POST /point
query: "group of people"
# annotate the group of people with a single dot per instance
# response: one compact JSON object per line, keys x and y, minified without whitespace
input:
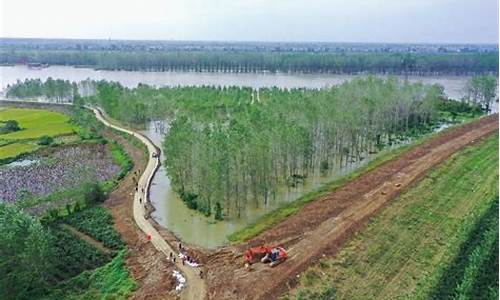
{"x":186,"y":259}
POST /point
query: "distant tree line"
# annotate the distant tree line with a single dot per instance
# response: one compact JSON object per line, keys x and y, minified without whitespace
{"x":254,"y":61}
{"x":55,"y":89}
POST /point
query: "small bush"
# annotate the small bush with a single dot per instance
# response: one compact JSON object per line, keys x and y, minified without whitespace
{"x":93,"y":193}
{"x":9,"y":126}
{"x":45,"y":140}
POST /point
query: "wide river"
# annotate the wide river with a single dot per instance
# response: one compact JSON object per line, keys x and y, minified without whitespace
{"x":170,"y":211}
{"x":8,"y":75}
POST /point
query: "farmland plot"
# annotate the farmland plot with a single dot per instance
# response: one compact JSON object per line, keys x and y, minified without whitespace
{"x":32,"y":125}
{"x":61,"y":169}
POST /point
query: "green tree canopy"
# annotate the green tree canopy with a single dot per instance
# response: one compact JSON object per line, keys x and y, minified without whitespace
{"x":24,"y":254}
{"x":482,"y":90}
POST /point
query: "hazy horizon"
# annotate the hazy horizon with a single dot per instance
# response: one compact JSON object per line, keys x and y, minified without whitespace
{"x":244,"y":41}
{"x":295,"y":21}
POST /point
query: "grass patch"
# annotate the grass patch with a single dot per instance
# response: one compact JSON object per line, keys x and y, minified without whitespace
{"x":472,"y":274}
{"x":121,"y":158}
{"x":406,"y":250}
{"x":73,"y":255}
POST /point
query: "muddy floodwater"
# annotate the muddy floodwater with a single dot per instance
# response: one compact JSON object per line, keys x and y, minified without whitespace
{"x":193,"y":227}
{"x":453,"y":85}
{"x":170,"y":211}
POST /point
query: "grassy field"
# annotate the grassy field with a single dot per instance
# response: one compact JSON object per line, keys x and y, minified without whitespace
{"x":34,"y":124}
{"x":410,"y":249}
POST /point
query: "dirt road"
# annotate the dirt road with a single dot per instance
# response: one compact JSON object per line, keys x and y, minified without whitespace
{"x":323,"y":226}
{"x":195,"y":288}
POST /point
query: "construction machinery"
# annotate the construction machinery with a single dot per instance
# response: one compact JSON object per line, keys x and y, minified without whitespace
{"x":266,"y":254}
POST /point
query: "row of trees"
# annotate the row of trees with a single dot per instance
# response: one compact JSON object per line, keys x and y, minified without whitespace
{"x":482,"y":91}
{"x":55,"y":89}
{"x":248,"y":61}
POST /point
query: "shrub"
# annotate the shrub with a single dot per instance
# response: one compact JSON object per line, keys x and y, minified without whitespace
{"x":93,"y":193}
{"x":10,"y":126}
{"x":45,"y":140}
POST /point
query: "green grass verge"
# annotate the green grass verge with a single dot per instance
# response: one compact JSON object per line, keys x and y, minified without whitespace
{"x":471,"y":275}
{"x":406,"y":250}
{"x":269,"y":220}
{"x":122,"y":158}
{"x":111,"y":281}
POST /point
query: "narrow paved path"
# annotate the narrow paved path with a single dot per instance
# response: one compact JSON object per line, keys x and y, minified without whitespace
{"x":195,"y":288}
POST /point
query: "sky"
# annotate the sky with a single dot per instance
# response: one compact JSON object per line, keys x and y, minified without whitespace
{"x":391,"y":21}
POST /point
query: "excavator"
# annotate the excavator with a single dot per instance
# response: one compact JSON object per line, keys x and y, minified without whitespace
{"x":266,"y":254}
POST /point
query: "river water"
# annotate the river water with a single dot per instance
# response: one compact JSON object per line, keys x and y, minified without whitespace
{"x":10,"y":74}
{"x":170,"y":211}
{"x":193,"y":227}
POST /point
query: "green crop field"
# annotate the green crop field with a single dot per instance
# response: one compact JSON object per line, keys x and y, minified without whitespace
{"x":34,"y":124}
{"x":14,"y":149}
{"x":425,"y":244}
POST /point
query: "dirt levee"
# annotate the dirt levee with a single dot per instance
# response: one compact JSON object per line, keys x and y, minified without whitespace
{"x":323,"y":226}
